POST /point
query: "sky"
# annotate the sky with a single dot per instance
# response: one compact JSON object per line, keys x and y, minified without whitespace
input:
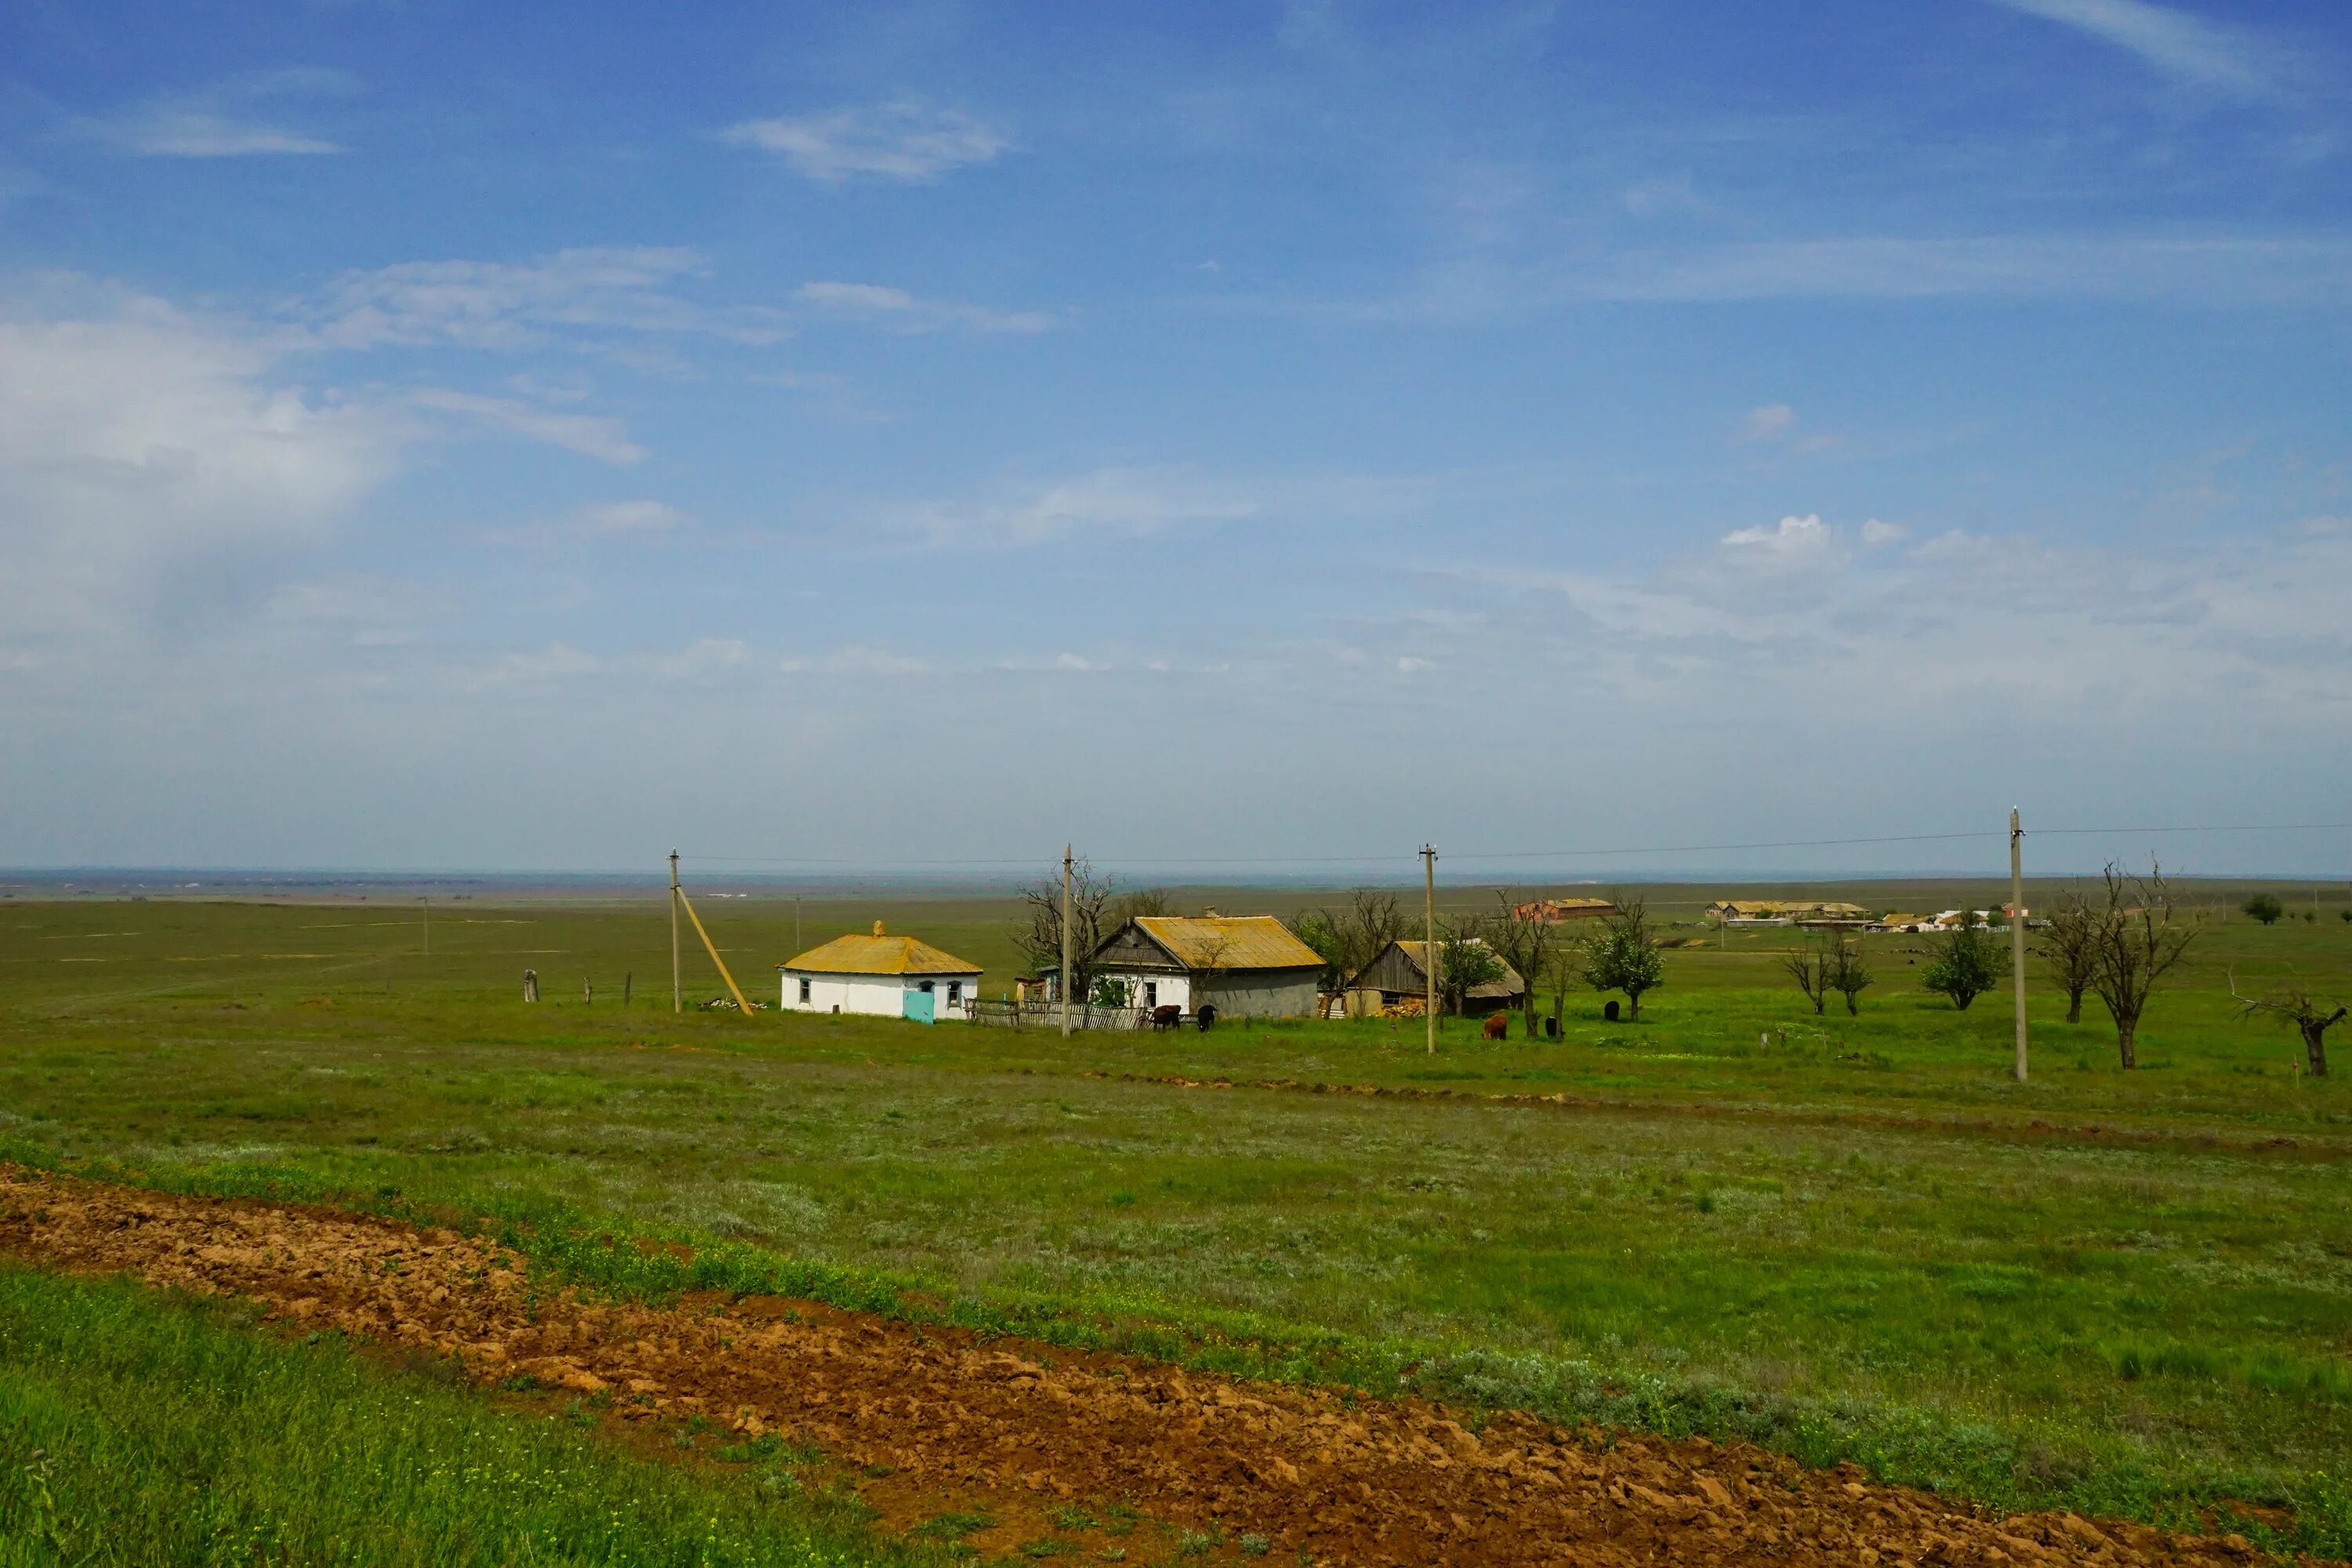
{"x":441,"y":436}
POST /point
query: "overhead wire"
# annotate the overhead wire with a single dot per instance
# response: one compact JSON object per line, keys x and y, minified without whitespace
{"x":1158,"y":861}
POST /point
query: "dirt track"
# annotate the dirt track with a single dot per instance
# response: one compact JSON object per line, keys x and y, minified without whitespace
{"x":1018,"y":1428}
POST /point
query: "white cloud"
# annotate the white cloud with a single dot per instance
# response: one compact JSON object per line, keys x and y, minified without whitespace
{"x":631,"y":517}
{"x":136,"y":441}
{"x":1875,"y":533}
{"x":2182,"y":46}
{"x":1110,"y":502}
{"x":590,"y":434}
{"x":515,"y":305}
{"x":1770,"y":422}
{"x":897,"y":309}
{"x":226,"y":121}
{"x":1807,"y":535}
{"x":904,"y":139}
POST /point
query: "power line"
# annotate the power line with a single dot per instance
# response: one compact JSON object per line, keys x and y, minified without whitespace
{"x":1518,"y":854}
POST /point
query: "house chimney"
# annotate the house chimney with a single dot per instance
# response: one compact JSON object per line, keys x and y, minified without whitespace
{"x":878,"y":928}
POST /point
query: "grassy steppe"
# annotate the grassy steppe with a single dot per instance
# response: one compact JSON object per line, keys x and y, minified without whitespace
{"x":141,"y":1430}
{"x":1849,"y":1241}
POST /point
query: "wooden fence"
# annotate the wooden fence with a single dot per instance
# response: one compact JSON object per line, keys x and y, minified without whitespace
{"x":1004,"y":1015}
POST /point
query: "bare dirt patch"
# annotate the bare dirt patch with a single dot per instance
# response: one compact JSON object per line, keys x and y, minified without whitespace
{"x":1111,"y":1452}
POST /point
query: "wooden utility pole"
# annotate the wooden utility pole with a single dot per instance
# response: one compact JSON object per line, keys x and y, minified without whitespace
{"x":1429,"y":940}
{"x":1065,"y":941}
{"x":677,"y":982}
{"x":2016,"y":930}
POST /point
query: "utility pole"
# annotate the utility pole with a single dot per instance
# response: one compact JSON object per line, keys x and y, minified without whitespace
{"x":676,"y":984}
{"x":796,"y":922}
{"x":1065,"y":941}
{"x":2017,"y":929}
{"x":1429,"y":940}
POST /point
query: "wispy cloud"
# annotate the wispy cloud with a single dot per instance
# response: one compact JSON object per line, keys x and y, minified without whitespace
{"x":591,"y":435}
{"x":2223,"y":272}
{"x":514,"y":305}
{"x":905,"y":140}
{"x":1772,"y":422}
{"x":2178,"y":43}
{"x":902,"y":311}
{"x":230,"y":120}
{"x":1110,"y":503}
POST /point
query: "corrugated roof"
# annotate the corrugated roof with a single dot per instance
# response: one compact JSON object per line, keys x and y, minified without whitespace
{"x":858,"y":954}
{"x":1230,"y":941}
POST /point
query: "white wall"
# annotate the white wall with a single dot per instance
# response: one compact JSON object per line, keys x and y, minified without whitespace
{"x":878,"y":995}
{"x":1175,"y":990}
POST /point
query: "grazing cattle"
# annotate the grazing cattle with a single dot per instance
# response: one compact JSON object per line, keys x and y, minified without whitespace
{"x":1167,"y":1016}
{"x":1205,"y":1017}
{"x":1498,"y":1026}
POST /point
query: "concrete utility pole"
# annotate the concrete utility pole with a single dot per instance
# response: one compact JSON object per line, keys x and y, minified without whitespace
{"x":677,"y":981}
{"x":2017,"y":929}
{"x":1429,"y":940}
{"x":1065,"y":941}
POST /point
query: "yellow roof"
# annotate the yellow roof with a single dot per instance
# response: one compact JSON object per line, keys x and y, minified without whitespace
{"x":1230,"y":941}
{"x":857,"y":954}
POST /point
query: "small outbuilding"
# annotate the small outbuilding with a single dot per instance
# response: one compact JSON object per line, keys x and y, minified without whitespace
{"x":1400,"y":972}
{"x":881,"y":976}
{"x":1245,"y":967}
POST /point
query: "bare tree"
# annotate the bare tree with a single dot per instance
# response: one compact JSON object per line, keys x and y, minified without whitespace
{"x":1526,"y":940}
{"x":1849,"y":972}
{"x":2138,"y":944}
{"x":2311,"y":1019}
{"x":1038,"y":935}
{"x":1808,"y":966}
{"x":1566,"y":968}
{"x":1145,"y":901}
{"x":2071,"y":949}
{"x":1347,"y":939}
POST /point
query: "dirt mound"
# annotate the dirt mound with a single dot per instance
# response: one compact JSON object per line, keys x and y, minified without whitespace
{"x":928,"y":1420}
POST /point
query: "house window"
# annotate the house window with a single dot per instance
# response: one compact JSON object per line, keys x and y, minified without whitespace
{"x":805,"y":992}
{"x":1151,"y":994}
{"x":955,"y":992}
{"x":927,"y":987}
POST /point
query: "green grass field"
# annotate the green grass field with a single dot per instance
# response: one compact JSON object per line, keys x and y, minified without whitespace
{"x":139,"y":1430}
{"x":2128,"y":1293}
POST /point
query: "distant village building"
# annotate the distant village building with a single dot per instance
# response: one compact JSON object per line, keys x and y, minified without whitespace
{"x":1785,"y":912}
{"x":1553,"y":910}
{"x":1400,"y":972}
{"x":1245,"y":967}
{"x":881,"y":976}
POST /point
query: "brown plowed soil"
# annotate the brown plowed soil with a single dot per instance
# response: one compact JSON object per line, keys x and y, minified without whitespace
{"x":1020,"y":1430}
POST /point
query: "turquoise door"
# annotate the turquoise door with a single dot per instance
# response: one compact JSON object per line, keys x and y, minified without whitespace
{"x":920,"y":1006}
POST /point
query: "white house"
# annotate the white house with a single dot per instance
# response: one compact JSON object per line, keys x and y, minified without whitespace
{"x":1247,"y":966}
{"x":884,"y":976}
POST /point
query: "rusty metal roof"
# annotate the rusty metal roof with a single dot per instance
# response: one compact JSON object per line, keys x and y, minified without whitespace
{"x":860,"y":955}
{"x":1229,"y":941}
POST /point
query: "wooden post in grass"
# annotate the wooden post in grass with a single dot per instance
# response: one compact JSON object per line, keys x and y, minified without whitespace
{"x":1065,"y":941}
{"x":676,"y":984}
{"x":2016,"y":930}
{"x":1429,"y":940}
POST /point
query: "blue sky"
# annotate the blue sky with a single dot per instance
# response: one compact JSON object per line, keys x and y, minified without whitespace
{"x":455,"y":436}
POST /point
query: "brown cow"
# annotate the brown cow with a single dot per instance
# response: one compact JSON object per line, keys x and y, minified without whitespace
{"x":1167,"y":1016}
{"x":1498,"y":1025}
